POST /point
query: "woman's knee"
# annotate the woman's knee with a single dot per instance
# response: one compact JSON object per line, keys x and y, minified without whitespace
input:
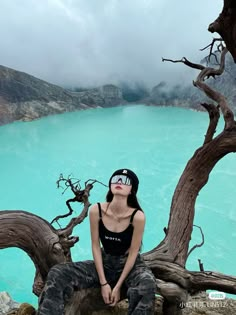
{"x":147,"y":285}
{"x":57,"y":273}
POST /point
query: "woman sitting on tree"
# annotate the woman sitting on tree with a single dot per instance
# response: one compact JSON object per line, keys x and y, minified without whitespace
{"x":118,"y":225}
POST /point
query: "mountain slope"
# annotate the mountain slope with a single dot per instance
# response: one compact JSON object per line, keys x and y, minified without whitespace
{"x":24,"y":97}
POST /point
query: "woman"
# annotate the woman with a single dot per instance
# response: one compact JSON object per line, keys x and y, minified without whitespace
{"x":117,"y":224}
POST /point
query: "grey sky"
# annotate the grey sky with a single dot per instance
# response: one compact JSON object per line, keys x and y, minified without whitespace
{"x":93,"y":42}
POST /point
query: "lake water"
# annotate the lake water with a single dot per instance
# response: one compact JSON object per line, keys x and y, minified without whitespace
{"x":156,"y":142}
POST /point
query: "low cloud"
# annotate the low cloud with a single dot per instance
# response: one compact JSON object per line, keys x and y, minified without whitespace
{"x":90,"y":42}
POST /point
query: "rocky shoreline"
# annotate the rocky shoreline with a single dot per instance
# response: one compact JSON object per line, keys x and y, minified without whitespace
{"x":24,"y":97}
{"x":200,"y":304}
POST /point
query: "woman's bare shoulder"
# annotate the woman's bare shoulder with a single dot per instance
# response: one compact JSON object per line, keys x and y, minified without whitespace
{"x":104,"y":205}
{"x":93,"y":211}
{"x":94,"y":207}
{"x":139,"y":216}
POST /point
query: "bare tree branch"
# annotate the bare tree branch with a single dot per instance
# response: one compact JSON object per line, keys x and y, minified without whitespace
{"x":207,"y":72}
{"x":75,"y":221}
{"x":201,"y":268}
{"x":192,"y":281}
{"x":212,"y":45}
{"x":215,"y":95}
{"x":214,"y":116}
{"x":80,"y":195}
{"x":197,"y":245}
{"x":186,"y":62}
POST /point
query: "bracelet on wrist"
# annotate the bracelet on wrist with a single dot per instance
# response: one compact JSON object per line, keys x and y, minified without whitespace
{"x":102,"y":285}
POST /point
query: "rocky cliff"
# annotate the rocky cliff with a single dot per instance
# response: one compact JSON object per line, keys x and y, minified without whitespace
{"x":24,"y":97}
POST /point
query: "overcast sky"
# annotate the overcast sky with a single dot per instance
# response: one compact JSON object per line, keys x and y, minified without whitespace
{"x":93,"y":42}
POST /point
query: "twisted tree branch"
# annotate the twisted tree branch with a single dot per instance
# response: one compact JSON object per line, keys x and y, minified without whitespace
{"x":81,"y":196}
{"x":192,"y":281}
{"x":186,"y":62}
{"x":197,"y":245}
{"x":212,"y":45}
{"x":207,"y":72}
{"x":214,"y":116}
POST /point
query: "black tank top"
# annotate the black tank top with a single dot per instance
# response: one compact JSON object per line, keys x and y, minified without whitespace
{"x":115,"y":243}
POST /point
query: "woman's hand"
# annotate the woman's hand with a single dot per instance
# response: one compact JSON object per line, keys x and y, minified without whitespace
{"x":115,"y":296}
{"x":106,"y":293}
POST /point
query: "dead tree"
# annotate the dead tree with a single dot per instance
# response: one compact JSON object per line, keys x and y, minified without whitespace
{"x":47,"y":246}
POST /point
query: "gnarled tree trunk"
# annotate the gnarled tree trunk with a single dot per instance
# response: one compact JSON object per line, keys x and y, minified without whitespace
{"x":225,"y":26}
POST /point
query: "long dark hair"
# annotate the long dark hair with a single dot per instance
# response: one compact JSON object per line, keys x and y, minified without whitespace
{"x":132,"y":200}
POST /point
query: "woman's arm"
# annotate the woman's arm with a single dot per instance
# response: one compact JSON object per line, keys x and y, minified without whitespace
{"x":138,"y":223}
{"x":97,"y":254}
{"x":96,"y":248}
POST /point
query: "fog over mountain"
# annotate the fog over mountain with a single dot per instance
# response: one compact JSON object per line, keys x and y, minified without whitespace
{"x":91,"y":43}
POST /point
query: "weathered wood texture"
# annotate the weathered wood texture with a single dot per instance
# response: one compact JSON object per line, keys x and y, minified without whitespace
{"x":225,"y":26}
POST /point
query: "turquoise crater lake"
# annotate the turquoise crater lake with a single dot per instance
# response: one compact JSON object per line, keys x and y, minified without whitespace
{"x":156,"y":142}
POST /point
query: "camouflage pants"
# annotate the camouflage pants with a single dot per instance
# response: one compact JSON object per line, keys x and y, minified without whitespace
{"x":64,"y":279}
